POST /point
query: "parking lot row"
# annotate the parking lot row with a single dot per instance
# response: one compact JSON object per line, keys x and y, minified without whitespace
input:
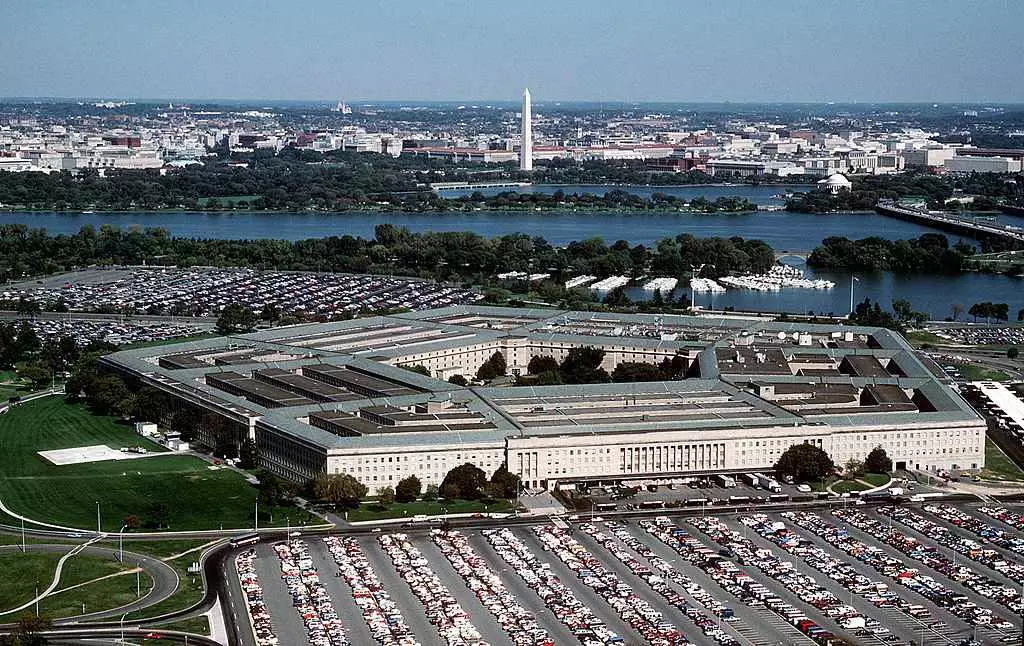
{"x":636,"y":611}
{"x":850,"y":578}
{"x":517,"y":622}
{"x":255,"y":606}
{"x":988,"y":533}
{"x":658,"y":574}
{"x":206,"y":291}
{"x":931,"y":557}
{"x":973,"y":550}
{"x":452,"y":622}
{"x":380,"y":612}
{"x":309,"y":595}
{"x":927,"y":587}
{"x":733,"y":579}
{"x":580,"y":619}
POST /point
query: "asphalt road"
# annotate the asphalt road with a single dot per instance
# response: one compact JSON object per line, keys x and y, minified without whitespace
{"x":165,"y":579}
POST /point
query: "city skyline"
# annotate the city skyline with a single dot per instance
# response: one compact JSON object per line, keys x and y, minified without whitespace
{"x":735,"y":52}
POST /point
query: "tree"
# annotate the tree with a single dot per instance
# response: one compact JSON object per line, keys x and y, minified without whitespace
{"x":464,"y":482}
{"x":540,"y":364}
{"x":636,"y":371}
{"x":853,"y":468}
{"x":878,"y":461}
{"x":583,"y":366}
{"x":431,"y":493}
{"x":408,"y":489}
{"x":458,"y":380}
{"x":804,"y":463}
{"x":957,"y":310}
{"x":386,"y":496}
{"x":418,"y":368}
{"x":494,"y":367}
{"x":1020,"y":314}
{"x":504,"y":483}
{"x":236,"y":318}
{"x":1012,"y":353}
{"x":248,"y":456}
{"x":339,"y":489}
{"x":272,"y":489}
{"x":38,"y":375}
{"x":158,"y":515}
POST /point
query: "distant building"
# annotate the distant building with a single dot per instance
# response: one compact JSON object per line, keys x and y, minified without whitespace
{"x":835,"y":183}
{"x":935,"y":157}
{"x":958,"y":164}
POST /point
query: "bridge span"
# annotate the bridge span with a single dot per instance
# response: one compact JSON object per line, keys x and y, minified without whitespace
{"x":951,"y":223}
{"x":802,"y":255}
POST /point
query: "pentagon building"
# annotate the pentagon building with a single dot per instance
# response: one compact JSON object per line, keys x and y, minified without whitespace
{"x":334,"y":397}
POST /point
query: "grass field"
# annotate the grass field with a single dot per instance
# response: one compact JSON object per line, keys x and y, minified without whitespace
{"x":876,"y":479}
{"x":199,"y":625}
{"x":67,"y":601}
{"x":22,"y":572}
{"x":371,"y":511}
{"x":846,"y":486}
{"x":998,"y":466}
{"x":195,"y":496}
{"x":972,"y":372}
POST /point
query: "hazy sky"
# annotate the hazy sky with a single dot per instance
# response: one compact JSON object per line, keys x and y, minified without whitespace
{"x":643,"y":50}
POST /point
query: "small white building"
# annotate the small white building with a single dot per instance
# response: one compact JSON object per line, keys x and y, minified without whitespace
{"x":146,"y":429}
{"x":835,"y":183}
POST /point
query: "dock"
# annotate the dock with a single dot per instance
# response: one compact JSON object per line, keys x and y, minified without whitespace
{"x":951,"y":223}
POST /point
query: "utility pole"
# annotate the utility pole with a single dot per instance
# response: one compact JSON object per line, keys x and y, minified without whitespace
{"x":99,"y":530}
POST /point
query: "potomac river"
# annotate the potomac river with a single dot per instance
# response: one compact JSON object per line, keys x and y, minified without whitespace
{"x":783,"y":231}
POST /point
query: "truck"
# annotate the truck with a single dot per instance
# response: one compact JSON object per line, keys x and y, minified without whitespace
{"x":895,"y":491}
{"x":768,"y":483}
{"x":725,"y":481}
{"x":750,"y":479}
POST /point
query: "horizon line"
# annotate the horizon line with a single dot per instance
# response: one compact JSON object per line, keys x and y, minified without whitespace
{"x":924,"y":102}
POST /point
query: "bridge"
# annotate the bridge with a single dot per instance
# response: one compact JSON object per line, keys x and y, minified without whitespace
{"x":802,"y":255}
{"x":952,"y":223}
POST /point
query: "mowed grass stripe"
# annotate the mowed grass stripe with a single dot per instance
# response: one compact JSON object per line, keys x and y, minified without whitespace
{"x":196,"y":496}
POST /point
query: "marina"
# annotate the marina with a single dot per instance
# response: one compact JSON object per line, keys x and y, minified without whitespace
{"x":778,"y":277}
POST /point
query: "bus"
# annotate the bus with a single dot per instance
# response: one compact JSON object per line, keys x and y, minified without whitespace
{"x":245,"y":540}
{"x":605,"y":506}
{"x":651,"y":504}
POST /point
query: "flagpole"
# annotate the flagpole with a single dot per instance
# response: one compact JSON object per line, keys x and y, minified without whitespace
{"x":852,"y":278}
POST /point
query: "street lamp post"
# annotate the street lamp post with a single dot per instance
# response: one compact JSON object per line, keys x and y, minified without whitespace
{"x":120,"y":544}
{"x":99,"y":529}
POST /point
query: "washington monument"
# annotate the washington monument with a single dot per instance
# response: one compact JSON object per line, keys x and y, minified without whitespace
{"x":526,"y":148}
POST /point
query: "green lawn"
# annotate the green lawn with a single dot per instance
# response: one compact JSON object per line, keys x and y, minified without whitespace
{"x":998,"y":466}
{"x":196,"y":497}
{"x":22,"y":572}
{"x":876,"y":479}
{"x":972,"y":372}
{"x":199,"y":625}
{"x":846,"y":486}
{"x":371,"y":511}
{"x":919,"y":337}
{"x":109,"y":593}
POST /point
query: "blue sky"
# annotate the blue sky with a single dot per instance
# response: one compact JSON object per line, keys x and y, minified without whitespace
{"x":646,"y":50}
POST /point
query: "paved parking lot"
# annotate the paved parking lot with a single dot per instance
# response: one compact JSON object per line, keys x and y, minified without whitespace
{"x":929,"y":573}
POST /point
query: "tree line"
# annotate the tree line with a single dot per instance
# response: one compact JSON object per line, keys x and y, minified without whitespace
{"x":930,"y":253}
{"x":867,"y":190}
{"x":461,"y":256}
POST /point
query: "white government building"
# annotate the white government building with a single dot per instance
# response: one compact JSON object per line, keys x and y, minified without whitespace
{"x":337,"y":397}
